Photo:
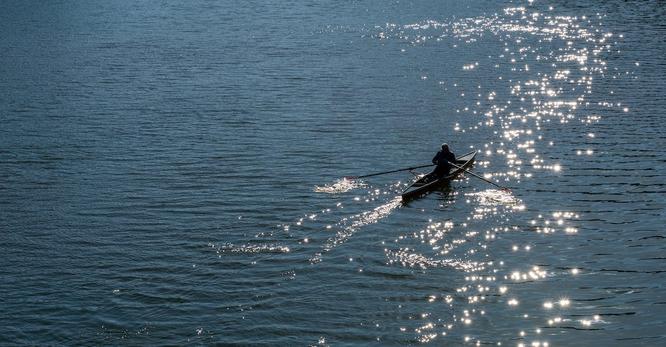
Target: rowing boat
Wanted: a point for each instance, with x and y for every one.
(430, 182)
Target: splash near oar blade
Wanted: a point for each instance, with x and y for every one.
(340, 186)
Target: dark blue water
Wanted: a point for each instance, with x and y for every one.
(170, 173)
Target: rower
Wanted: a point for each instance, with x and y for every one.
(443, 159)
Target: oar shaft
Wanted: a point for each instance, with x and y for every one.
(392, 171)
(473, 174)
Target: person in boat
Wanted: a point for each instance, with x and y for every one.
(443, 160)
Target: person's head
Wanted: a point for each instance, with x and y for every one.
(445, 147)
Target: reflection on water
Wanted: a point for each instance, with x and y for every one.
(545, 66)
(491, 197)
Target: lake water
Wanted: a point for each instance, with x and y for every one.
(171, 173)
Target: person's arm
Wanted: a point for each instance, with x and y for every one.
(435, 159)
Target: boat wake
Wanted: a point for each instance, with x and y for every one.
(351, 225)
(407, 258)
(248, 248)
(318, 232)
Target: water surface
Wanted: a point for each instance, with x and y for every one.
(171, 173)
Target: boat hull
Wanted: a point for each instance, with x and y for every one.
(427, 183)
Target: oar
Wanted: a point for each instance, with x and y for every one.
(387, 172)
(473, 174)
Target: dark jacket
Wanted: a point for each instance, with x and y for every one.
(442, 159)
